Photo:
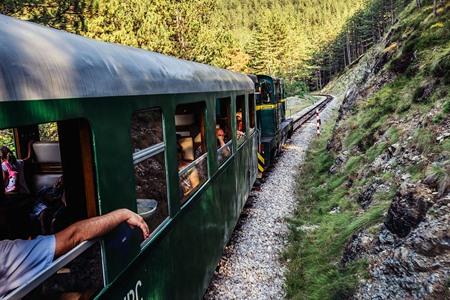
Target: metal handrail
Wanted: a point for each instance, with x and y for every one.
(187, 168)
(148, 152)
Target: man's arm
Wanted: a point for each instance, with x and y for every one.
(92, 228)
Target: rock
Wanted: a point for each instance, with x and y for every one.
(335, 210)
(406, 177)
(365, 197)
(407, 210)
(415, 267)
(442, 137)
(308, 228)
(359, 245)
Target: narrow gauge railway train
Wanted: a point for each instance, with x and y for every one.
(274, 127)
(136, 130)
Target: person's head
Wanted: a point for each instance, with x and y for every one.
(6, 154)
(220, 133)
(239, 116)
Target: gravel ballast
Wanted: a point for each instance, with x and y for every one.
(251, 267)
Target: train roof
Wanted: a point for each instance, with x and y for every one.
(37, 62)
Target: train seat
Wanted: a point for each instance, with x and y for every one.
(47, 161)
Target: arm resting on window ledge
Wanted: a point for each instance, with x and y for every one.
(92, 228)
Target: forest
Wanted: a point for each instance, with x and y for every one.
(306, 42)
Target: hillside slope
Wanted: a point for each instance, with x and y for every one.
(373, 218)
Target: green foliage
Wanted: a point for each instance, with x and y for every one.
(296, 88)
(242, 35)
(7, 139)
(446, 107)
(440, 68)
(424, 140)
(48, 132)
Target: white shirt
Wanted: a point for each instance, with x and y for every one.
(21, 260)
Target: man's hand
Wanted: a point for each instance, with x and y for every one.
(95, 227)
(135, 220)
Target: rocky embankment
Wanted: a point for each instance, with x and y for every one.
(394, 125)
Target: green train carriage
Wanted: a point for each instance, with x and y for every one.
(125, 118)
(275, 128)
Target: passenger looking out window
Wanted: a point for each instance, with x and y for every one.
(223, 129)
(191, 147)
(240, 118)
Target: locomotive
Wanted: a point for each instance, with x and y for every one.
(274, 127)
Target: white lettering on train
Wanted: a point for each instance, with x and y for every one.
(134, 294)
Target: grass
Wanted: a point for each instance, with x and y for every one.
(313, 258)
(294, 106)
(424, 140)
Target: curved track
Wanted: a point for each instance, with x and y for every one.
(251, 267)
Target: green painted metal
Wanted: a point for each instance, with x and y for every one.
(272, 122)
(179, 260)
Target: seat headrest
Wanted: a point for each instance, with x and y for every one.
(47, 152)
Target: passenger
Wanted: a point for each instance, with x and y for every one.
(13, 172)
(49, 204)
(239, 126)
(224, 150)
(24, 259)
(190, 179)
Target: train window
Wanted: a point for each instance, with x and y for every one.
(43, 193)
(149, 166)
(191, 147)
(251, 110)
(223, 129)
(48, 132)
(266, 91)
(240, 118)
(7, 139)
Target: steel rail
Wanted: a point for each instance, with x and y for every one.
(301, 120)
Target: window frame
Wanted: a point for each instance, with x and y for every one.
(251, 112)
(183, 202)
(246, 132)
(144, 154)
(229, 143)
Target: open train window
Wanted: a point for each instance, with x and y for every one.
(223, 129)
(48, 184)
(240, 119)
(266, 91)
(191, 147)
(147, 140)
(251, 110)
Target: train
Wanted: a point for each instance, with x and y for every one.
(176, 141)
(275, 128)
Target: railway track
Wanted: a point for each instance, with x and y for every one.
(302, 119)
(251, 267)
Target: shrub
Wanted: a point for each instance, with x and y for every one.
(446, 107)
(440, 68)
(424, 140)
